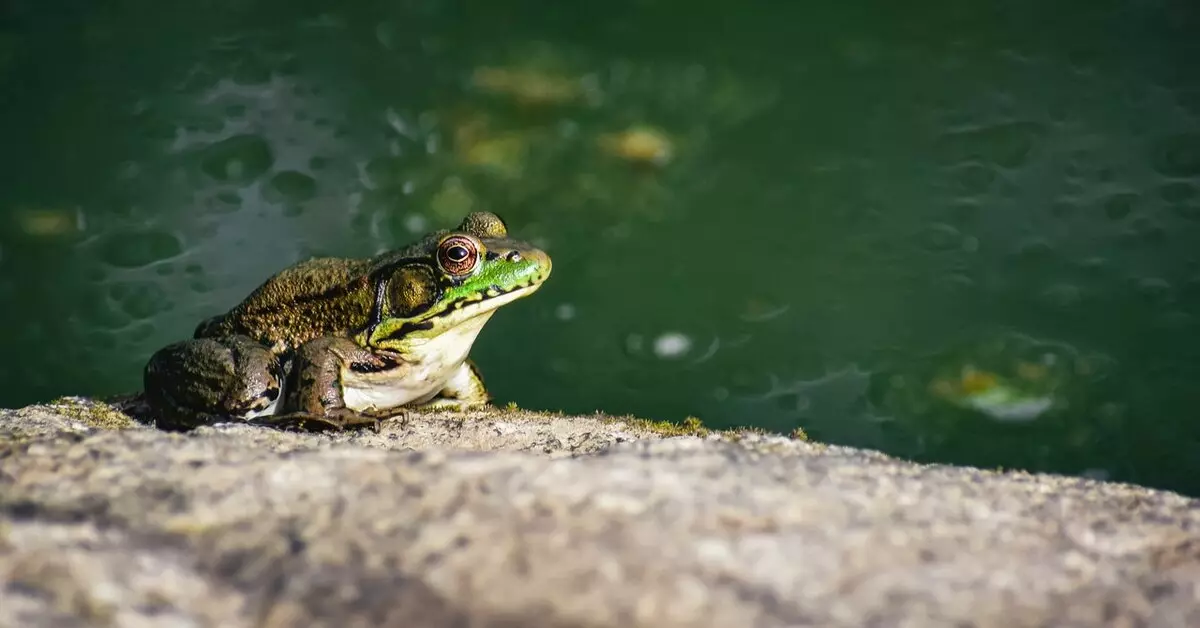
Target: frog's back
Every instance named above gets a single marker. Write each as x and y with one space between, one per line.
317 297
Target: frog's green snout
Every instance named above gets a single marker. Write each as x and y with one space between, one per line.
540 262
529 266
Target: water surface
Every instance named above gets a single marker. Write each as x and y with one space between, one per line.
958 232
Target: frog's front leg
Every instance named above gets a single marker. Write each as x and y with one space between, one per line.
208 380
464 390
314 392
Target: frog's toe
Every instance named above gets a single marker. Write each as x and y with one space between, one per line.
335 421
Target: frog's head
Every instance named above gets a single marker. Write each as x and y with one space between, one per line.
447 286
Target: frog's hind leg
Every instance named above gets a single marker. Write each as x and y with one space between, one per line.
204 381
463 391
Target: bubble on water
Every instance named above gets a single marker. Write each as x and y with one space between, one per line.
1144 230
294 186
564 312
416 223
1034 251
1062 295
1093 265
1064 207
1176 320
200 286
672 345
957 281
134 249
1154 288
1187 211
1177 192
241 158
225 201
940 236
140 300
1177 155
1006 144
974 178
1119 206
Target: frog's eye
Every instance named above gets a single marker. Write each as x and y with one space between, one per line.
458 255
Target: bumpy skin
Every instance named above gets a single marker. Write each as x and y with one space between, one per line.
228 377
327 330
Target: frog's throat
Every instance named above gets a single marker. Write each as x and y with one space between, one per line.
409 334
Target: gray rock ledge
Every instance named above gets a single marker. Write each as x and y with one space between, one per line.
513 518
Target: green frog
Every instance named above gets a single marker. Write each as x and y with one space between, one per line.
331 343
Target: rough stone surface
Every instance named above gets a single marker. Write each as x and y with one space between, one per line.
511 518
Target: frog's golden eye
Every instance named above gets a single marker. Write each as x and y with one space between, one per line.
458 255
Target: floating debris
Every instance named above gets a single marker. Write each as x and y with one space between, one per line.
48 222
564 312
758 311
672 345
640 144
528 86
992 395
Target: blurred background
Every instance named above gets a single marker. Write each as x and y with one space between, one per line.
960 232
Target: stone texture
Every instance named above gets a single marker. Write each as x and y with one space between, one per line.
512 518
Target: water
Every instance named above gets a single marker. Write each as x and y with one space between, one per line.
958 232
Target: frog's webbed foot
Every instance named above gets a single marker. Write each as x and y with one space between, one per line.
336 420
314 394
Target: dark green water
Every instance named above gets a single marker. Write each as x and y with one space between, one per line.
867 214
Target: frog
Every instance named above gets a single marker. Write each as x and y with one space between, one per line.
335 343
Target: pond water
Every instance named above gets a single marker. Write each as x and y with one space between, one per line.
955 232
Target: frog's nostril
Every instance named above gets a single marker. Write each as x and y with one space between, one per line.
513 257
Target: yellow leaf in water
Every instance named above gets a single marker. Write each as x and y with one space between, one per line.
528 87
640 145
46 222
976 381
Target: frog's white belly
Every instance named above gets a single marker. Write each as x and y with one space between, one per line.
435 362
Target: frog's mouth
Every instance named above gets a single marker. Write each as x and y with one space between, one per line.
487 300
456 313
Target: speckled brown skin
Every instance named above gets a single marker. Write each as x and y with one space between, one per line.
311 323
331 296
320 297
229 376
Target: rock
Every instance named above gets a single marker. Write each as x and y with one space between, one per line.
512 518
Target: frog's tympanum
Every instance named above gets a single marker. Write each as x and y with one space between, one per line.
331 343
